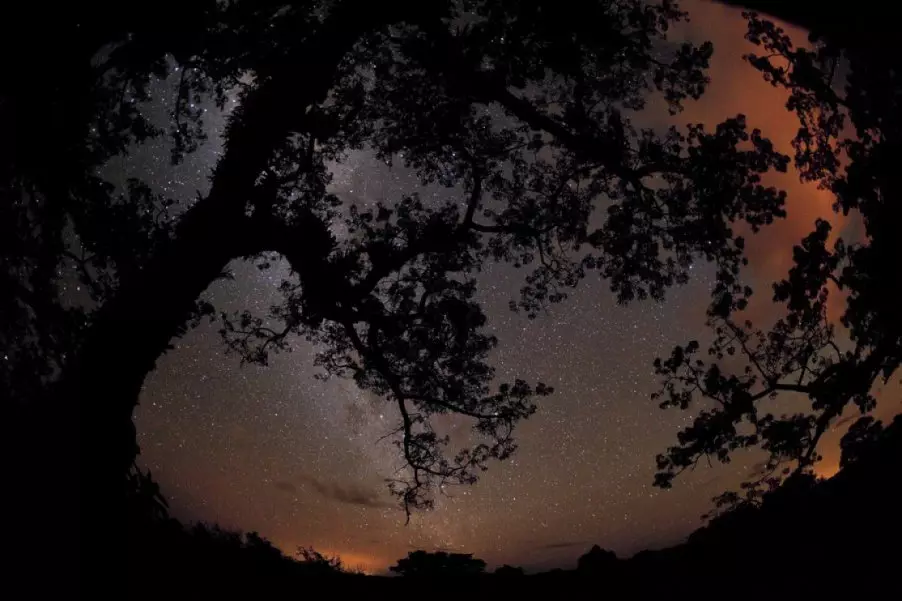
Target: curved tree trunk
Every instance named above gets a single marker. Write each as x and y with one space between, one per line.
87 426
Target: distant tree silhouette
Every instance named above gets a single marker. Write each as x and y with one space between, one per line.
317 563
523 108
507 571
848 99
597 561
438 564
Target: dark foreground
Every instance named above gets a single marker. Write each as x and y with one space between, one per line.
838 538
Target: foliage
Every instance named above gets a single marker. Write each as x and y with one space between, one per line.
525 109
438 564
867 437
849 142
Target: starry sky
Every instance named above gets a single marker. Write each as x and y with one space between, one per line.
299 459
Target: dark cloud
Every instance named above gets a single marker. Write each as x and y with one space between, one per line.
564 544
352 494
285 486
344 493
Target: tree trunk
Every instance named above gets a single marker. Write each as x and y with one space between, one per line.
87 426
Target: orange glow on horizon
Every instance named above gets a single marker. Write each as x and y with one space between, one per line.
826 468
352 560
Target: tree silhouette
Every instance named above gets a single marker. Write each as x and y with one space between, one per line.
317 564
523 108
507 571
439 564
867 437
868 27
849 142
597 561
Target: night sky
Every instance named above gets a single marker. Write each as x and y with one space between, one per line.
275 450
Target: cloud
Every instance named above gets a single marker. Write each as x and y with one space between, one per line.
352 494
432 549
736 87
564 545
345 493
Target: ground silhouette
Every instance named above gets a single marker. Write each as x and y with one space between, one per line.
794 543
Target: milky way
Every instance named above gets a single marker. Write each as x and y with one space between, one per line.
299 459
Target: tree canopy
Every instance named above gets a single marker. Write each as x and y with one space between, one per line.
847 97
533 127
526 110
